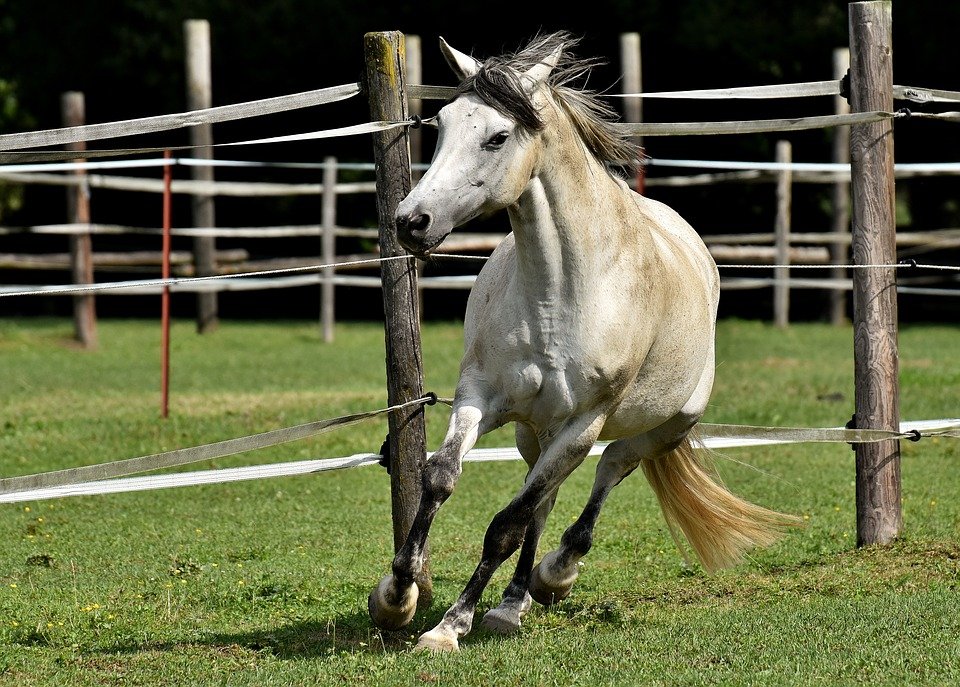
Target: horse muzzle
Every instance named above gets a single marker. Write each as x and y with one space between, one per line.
417 232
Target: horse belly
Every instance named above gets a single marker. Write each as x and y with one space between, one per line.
658 393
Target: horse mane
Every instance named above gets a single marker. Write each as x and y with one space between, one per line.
498 84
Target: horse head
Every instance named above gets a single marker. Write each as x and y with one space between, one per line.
487 148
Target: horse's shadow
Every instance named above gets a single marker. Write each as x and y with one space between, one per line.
346 633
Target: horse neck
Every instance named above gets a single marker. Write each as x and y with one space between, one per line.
569 222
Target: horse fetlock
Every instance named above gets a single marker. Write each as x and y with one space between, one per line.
393 606
550 582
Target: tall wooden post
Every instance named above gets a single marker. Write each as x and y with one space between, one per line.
165 293
328 228
413 67
781 231
879 517
199 96
839 251
384 54
73 112
630 66
413 64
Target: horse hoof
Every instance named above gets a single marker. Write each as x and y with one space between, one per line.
503 621
392 616
548 591
437 642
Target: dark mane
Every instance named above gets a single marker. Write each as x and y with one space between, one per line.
497 83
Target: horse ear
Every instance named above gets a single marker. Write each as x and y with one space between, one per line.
539 72
462 65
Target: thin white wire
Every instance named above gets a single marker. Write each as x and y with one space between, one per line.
138 283
449 256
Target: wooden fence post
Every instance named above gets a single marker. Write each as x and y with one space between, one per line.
413 66
73 112
407 442
630 68
781 231
879 516
328 228
839 252
199 96
167 205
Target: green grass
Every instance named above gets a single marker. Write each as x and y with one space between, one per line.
265 582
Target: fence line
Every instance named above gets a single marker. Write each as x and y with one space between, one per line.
713 437
858 118
734 171
10 143
302 230
233 281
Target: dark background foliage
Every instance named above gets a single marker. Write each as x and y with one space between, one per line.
127 57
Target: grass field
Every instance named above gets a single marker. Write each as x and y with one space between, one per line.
265 582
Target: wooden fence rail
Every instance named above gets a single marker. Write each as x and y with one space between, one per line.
762 248
783 247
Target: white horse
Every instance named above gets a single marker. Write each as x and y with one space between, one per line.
594 320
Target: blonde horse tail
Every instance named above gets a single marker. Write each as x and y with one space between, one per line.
720 527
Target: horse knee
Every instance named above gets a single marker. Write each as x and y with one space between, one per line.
439 478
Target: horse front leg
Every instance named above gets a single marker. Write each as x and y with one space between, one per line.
393 603
506 617
508 527
516 602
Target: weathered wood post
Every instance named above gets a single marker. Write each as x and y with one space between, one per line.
413 69
73 113
328 239
781 231
879 517
413 66
839 252
384 84
630 67
199 96
165 292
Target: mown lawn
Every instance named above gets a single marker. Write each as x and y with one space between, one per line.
265 582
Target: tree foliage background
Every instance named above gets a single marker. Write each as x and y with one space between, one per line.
127 57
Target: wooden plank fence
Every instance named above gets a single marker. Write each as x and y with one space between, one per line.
782 247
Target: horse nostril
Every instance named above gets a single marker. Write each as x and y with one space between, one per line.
413 224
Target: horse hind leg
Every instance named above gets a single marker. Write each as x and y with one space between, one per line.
719 526
554 577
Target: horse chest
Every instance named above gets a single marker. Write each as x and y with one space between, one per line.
542 377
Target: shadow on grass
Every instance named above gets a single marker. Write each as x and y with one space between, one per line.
348 633
872 570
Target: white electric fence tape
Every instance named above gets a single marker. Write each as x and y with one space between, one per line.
145 125
712 437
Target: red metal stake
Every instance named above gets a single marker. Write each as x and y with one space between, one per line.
641 179
165 293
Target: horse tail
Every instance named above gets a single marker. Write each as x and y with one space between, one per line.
720 527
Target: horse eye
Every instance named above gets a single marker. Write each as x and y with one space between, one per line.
497 140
